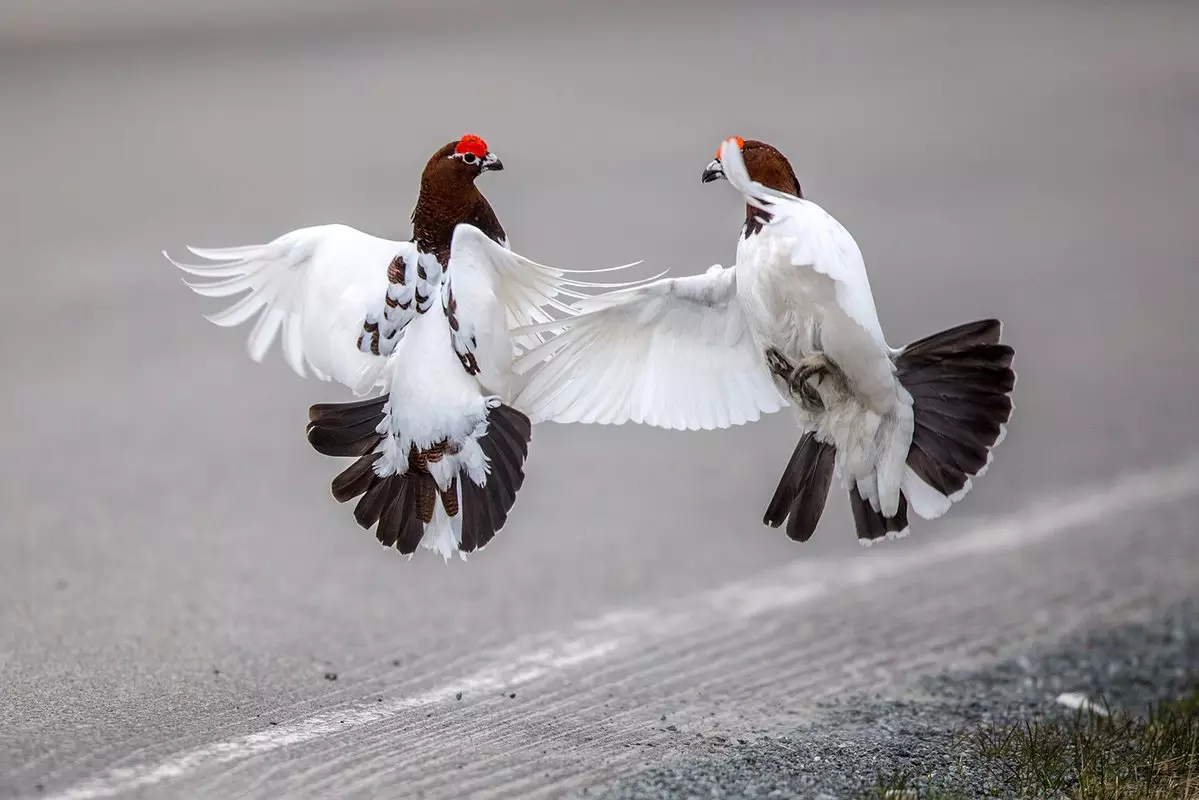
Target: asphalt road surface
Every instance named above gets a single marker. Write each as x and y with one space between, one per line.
184 611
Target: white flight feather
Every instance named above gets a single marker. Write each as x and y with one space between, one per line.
319 284
675 353
314 284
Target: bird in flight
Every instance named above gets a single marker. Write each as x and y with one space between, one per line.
793 321
425 326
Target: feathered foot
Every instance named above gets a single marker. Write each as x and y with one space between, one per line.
799 377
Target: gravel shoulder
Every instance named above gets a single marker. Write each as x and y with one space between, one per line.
921 734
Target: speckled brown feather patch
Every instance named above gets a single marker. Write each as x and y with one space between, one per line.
462 349
417 461
426 498
469 363
436 452
451 308
426 487
449 498
370 329
397 270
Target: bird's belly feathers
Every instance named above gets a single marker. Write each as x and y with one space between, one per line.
432 396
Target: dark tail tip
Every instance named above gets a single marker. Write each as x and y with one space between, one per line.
871 524
356 478
983 331
346 429
802 491
347 413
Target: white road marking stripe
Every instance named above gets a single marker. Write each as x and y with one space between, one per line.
599 638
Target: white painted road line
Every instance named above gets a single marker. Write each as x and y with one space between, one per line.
537 657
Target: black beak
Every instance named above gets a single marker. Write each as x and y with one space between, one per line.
713 172
492 163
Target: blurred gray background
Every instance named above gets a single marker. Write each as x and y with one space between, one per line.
173 571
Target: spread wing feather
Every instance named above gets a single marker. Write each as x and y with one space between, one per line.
675 353
317 286
485 278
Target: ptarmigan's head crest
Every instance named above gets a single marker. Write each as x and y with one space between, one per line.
461 161
471 144
764 163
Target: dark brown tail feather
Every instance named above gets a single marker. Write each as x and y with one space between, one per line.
803 489
485 508
347 413
960 381
348 429
871 524
345 429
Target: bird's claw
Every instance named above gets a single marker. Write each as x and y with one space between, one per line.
799 377
779 364
816 366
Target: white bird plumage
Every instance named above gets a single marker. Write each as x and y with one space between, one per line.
675 354
316 285
807 293
319 285
695 352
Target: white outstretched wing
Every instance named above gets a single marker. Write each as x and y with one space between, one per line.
318 286
490 290
676 353
821 242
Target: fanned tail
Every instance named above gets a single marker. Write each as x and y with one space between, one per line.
960 381
406 506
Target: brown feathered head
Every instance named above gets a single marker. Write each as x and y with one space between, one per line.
462 161
448 196
765 164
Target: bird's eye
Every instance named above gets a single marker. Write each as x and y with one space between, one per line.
470 158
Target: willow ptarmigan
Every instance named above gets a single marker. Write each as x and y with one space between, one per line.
792 320
424 323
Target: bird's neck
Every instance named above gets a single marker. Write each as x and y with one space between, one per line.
755 218
438 211
782 180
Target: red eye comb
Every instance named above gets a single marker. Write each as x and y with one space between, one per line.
740 145
472 144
